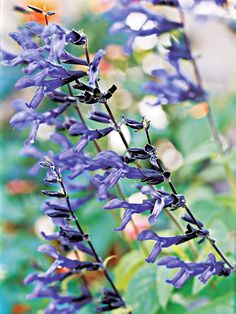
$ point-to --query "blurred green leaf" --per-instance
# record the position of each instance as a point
(197, 286)
(201, 152)
(127, 267)
(191, 134)
(230, 157)
(164, 289)
(173, 308)
(142, 291)
(222, 305)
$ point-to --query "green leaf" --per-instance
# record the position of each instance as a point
(221, 305)
(164, 289)
(126, 268)
(173, 308)
(231, 158)
(201, 152)
(142, 291)
(191, 134)
(197, 286)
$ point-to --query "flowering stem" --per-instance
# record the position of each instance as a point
(135, 228)
(188, 210)
(215, 133)
(96, 256)
(84, 280)
(98, 148)
(171, 216)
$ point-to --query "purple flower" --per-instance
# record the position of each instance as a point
(35, 28)
(43, 289)
(57, 211)
(24, 39)
(26, 115)
(77, 38)
(106, 181)
(99, 116)
(68, 304)
(61, 261)
(217, 2)
(161, 242)
(173, 88)
(130, 209)
(162, 199)
(6, 57)
(41, 62)
(159, 24)
(133, 124)
(155, 205)
(94, 68)
(203, 270)
(79, 128)
(110, 301)
(189, 219)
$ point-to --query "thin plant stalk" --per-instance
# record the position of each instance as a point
(210, 118)
(79, 227)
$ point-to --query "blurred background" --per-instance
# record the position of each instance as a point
(184, 143)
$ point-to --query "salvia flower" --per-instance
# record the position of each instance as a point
(109, 301)
(46, 66)
(136, 125)
(162, 242)
(79, 128)
(61, 261)
(162, 199)
(170, 88)
(203, 270)
(159, 24)
(99, 116)
(93, 68)
(130, 209)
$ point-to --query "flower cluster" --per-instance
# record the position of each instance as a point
(157, 201)
(173, 85)
(170, 87)
(204, 270)
(46, 63)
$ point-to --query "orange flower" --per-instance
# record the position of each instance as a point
(199, 110)
(20, 308)
(20, 187)
(46, 5)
